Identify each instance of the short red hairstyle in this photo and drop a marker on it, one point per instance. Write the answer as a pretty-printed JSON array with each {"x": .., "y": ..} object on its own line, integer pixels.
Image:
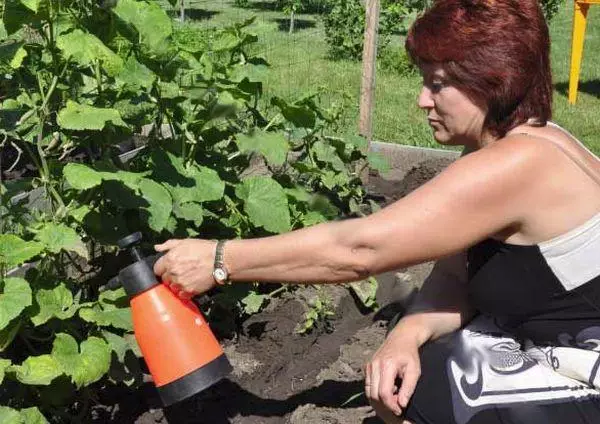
[{"x": 495, "y": 51}]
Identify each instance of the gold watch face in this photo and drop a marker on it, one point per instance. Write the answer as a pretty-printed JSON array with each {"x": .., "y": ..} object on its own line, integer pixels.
[{"x": 220, "y": 274}]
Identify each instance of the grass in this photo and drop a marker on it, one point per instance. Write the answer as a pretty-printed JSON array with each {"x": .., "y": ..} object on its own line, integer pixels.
[{"x": 300, "y": 64}]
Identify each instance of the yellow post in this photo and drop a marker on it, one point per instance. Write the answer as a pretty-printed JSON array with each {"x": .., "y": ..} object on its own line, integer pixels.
[{"x": 579, "y": 24}]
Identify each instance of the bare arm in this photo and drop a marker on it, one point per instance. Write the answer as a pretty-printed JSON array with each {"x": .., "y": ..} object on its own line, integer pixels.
[
  {"x": 475, "y": 197},
  {"x": 441, "y": 306}
]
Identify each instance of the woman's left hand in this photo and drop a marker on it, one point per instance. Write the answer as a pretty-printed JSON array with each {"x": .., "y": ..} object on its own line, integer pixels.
[{"x": 186, "y": 266}]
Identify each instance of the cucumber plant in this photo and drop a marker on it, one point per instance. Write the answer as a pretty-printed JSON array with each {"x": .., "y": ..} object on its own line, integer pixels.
[{"x": 81, "y": 79}]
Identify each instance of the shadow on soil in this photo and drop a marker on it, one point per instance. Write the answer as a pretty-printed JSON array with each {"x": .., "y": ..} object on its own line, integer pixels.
[
  {"x": 589, "y": 87},
  {"x": 329, "y": 394},
  {"x": 209, "y": 407}
]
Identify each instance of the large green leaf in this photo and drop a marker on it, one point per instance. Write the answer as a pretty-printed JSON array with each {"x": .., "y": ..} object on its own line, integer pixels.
[
  {"x": 81, "y": 177},
  {"x": 272, "y": 145},
  {"x": 83, "y": 117},
  {"x": 159, "y": 201},
  {"x": 33, "y": 416},
  {"x": 189, "y": 211},
  {"x": 85, "y": 367},
  {"x": 94, "y": 362},
  {"x": 12, "y": 54},
  {"x": 117, "y": 343},
  {"x": 327, "y": 153},
  {"x": 254, "y": 73},
  {"x": 130, "y": 179},
  {"x": 32, "y": 4},
  {"x": 57, "y": 237},
  {"x": 37, "y": 370},
  {"x": 118, "y": 318},
  {"x": 15, "y": 297},
  {"x": 10, "y": 416},
  {"x": 15, "y": 251},
  {"x": 331, "y": 179},
  {"x": 8, "y": 333},
  {"x": 150, "y": 21},
  {"x": 137, "y": 110},
  {"x": 15, "y": 15},
  {"x": 4, "y": 364},
  {"x": 56, "y": 302},
  {"x": 135, "y": 75},
  {"x": 299, "y": 115},
  {"x": 190, "y": 183},
  {"x": 85, "y": 48},
  {"x": 65, "y": 351},
  {"x": 266, "y": 203}
]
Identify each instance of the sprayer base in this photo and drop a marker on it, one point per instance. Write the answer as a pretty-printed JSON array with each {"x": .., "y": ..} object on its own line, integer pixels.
[{"x": 195, "y": 382}]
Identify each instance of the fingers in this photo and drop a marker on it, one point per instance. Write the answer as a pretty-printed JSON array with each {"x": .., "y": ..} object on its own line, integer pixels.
[
  {"x": 385, "y": 414},
  {"x": 167, "y": 245},
  {"x": 160, "y": 267},
  {"x": 372, "y": 390},
  {"x": 387, "y": 389},
  {"x": 367, "y": 372},
  {"x": 410, "y": 378}
]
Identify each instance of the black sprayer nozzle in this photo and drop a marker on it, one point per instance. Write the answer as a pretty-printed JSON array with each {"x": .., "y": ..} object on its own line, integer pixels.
[
  {"x": 131, "y": 242},
  {"x": 139, "y": 276}
]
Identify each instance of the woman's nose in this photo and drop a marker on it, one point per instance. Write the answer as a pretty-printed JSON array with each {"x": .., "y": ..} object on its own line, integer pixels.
[{"x": 425, "y": 100}]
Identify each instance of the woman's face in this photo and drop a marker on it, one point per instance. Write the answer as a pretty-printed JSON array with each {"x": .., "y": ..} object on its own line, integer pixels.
[{"x": 453, "y": 116}]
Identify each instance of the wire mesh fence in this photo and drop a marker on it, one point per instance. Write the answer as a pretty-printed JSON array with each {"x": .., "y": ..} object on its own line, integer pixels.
[
  {"x": 300, "y": 63},
  {"x": 299, "y": 60}
]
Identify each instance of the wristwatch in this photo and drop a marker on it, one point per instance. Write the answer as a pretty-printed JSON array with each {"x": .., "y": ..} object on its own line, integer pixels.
[{"x": 220, "y": 273}]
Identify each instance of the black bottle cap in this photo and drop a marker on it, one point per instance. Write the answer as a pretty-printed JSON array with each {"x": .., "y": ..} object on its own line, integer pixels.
[{"x": 139, "y": 276}]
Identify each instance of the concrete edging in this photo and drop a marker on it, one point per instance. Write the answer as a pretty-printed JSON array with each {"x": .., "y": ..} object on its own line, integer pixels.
[{"x": 403, "y": 158}]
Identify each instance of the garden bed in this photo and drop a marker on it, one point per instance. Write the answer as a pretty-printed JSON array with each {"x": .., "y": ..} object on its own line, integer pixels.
[{"x": 281, "y": 376}]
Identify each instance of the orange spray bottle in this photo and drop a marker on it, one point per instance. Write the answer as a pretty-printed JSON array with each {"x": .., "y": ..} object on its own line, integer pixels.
[{"x": 181, "y": 352}]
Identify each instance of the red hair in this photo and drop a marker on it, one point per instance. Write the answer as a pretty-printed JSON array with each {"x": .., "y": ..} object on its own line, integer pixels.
[{"x": 495, "y": 51}]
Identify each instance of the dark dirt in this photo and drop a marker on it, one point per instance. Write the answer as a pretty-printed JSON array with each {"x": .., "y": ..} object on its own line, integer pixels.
[{"x": 281, "y": 376}]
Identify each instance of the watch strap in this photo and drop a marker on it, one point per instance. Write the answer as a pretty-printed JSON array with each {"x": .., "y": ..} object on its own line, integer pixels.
[{"x": 219, "y": 259}]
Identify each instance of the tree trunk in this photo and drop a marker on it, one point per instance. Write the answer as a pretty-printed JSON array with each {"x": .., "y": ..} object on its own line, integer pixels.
[{"x": 182, "y": 11}]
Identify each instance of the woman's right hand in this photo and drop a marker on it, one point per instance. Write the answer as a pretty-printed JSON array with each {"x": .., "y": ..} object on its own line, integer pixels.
[{"x": 398, "y": 357}]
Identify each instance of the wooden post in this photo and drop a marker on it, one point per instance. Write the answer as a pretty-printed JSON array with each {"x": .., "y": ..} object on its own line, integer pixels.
[{"x": 367, "y": 89}]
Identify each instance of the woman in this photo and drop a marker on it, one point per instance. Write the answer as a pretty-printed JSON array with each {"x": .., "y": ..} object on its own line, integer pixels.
[{"x": 515, "y": 224}]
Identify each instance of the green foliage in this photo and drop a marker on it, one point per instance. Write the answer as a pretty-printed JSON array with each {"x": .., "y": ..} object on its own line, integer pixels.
[
  {"x": 366, "y": 291},
  {"x": 397, "y": 62},
  {"x": 319, "y": 312},
  {"x": 85, "y": 77},
  {"x": 550, "y": 8},
  {"x": 345, "y": 26}
]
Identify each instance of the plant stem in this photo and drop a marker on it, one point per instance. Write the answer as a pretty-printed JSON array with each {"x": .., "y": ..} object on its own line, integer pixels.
[
  {"x": 98, "y": 75},
  {"x": 272, "y": 121},
  {"x": 277, "y": 291}
]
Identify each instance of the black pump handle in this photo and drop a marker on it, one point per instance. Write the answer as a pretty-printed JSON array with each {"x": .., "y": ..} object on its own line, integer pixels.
[{"x": 130, "y": 240}]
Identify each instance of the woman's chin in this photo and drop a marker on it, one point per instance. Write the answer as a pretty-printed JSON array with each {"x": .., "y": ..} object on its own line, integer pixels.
[{"x": 441, "y": 137}]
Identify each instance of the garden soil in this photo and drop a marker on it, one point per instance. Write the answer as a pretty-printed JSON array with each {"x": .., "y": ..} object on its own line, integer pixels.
[{"x": 281, "y": 376}]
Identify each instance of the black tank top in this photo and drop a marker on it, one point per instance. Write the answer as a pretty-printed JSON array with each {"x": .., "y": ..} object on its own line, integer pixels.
[{"x": 543, "y": 292}]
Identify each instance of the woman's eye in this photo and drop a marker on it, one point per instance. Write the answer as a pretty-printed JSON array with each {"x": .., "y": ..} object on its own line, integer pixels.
[{"x": 436, "y": 86}]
